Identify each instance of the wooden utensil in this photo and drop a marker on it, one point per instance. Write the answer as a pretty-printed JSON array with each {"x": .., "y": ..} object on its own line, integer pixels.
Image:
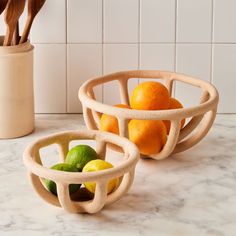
[
  {"x": 16, "y": 37},
  {"x": 3, "y": 4},
  {"x": 14, "y": 10},
  {"x": 34, "y": 7}
]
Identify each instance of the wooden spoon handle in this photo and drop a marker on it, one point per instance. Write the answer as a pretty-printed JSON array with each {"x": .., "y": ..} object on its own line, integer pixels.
[
  {"x": 26, "y": 31},
  {"x": 16, "y": 35},
  {"x": 8, "y": 37}
]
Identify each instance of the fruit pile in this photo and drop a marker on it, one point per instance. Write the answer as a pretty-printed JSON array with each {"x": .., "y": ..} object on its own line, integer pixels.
[
  {"x": 81, "y": 158},
  {"x": 150, "y": 136}
]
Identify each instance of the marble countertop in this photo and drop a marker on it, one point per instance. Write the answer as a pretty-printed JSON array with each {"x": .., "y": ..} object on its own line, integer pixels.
[{"x": 192, "y": 193}]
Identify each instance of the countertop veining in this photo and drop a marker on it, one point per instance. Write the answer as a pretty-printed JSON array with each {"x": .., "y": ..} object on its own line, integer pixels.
[{"x": 192, "y": 193}]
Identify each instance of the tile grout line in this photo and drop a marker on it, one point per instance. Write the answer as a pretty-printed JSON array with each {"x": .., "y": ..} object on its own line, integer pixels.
[
  {"x": 80, "y": 113},
  {"x": 139, "y": 37},
  {"x": 103, "y": 32},
  {"x": 177, "y": 43},
  {"x": 175, "y": 53},
  {"x": 66, "y": 26},
  {"x": 212, "y": 32}
]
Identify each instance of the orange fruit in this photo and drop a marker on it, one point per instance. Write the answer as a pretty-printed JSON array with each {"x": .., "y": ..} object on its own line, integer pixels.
[
  {"x": 149, "y": 135},
  {"x": 110, "y": 123},
  {"x": 150, "y": 96},
  {"x": 174, "y": 104}
]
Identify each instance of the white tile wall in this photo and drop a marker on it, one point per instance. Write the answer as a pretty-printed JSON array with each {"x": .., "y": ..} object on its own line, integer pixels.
[
  {"x": 121, "y": 21},
  {"x": 224, "y": 76},
  {"x": 194, "y": 21},
  {"x": 50, "y": 24},
  {"x": 157, "y": 21},
  {"x": 224, "y": 21},
  {"x": 50, "y": 78},
  {"x": 84, "y": 61},
  {"x": 118, "y": 57},
  {"x": 195, "y": 60},
  {"x": 84, "y": 21},
  {"x": 157, "y": 56},
  {"x": 79, "y": 39}
]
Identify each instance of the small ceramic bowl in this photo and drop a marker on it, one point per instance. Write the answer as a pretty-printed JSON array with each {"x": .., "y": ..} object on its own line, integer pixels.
[
  {"x": 124, "y": 171},
  {"x": 201, "y": 116}
]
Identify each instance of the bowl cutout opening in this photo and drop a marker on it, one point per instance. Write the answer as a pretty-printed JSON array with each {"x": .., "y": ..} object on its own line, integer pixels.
[
  {"x": 98, "y": 92},
  {"x": 49, "y": 155},
  {"x": 188, "y": 95},
  {"x": 111, "y": 93}
]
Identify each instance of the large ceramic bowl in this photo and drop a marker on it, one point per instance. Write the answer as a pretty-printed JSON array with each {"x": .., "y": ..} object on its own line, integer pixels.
[{"x": 201, "y": 116}]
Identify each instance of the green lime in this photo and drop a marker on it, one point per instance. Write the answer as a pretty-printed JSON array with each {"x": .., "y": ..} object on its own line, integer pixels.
[
  {"x": 80, "y": 155},
  {"x": 51, "y": 185}
]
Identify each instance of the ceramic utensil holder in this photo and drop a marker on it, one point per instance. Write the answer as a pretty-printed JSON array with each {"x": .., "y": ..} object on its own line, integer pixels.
[
  {"x": 201, "y": 116},
  {"x": 16, "y": 90},
  {"x": 124, "y": 170}
]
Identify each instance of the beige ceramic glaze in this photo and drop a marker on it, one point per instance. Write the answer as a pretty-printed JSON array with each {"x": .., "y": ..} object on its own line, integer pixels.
[
  {"x": 125, "y": 170},
  {"x": 16, "y": 90},
  {"x": 202, "y": 115}
]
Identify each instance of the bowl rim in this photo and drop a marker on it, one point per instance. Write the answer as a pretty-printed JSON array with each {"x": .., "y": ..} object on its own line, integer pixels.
[
  {"x": 171, "y": 114},
  {"x": 79, "y": 177}
]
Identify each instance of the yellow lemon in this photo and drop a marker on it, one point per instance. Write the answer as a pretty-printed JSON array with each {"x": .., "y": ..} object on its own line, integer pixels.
[{"x": 97, "y": 165}]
